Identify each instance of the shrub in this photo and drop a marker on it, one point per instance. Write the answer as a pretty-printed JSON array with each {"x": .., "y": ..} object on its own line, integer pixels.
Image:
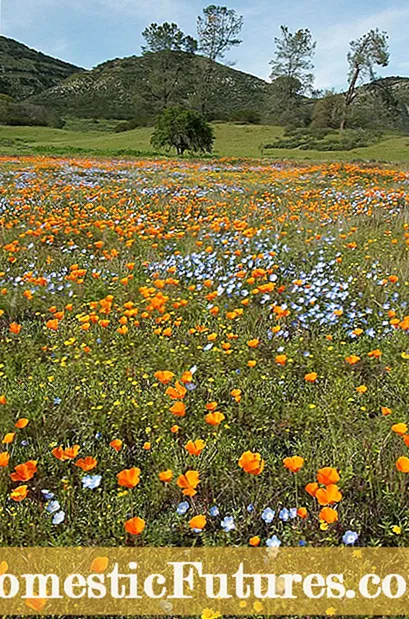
[{"x": 184, "y": 130}]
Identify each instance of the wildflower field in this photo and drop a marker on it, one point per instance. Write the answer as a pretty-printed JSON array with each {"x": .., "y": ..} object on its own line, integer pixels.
[{"x": 203, "y": 353}]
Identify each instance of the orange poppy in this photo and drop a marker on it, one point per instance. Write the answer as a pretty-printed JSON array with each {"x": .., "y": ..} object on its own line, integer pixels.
[
  {"x": 254, "y": 541},
  {"x": 253, "y": 343},
  {"x": 251, "y": 462},
  {"x": 352, "y": 359},
  {"x": 214, "y": 419},
  {"x": 129, "y": 477},
  {"x": 116, "y": 444},
  {"x": 177, "y": 392},
  {"x": 9, "y": 438},
  {"x": 402, "y": 464},
  {"x": 178, "y": 409},
  {"x": 197, "y": 522},
  {"x": 3, "y": 399},
  {"x": 166, "y": 476},
  {"x": 311, "y": 377},
  {"x": 328, "y": 495},
  {"x": 189, "y": 482},
  {"x": 294, "y": 463},
  {"x": 281, "y": 359},
  {"x": 328, "y": 515},
  {"x": 70, "y": 453},
  {"x": 195, "y": 448},
  {"x": 134, "y": 526},
  {"x": 4, "y": 459},
  {"x": 25, "y": 471},
  {"x": 399, "y": 428},
  {"x": 21, "y": 423},
  {"x": 302, "y": 512},
  {"x": 86, "y": 464},
  {"x": 164, "y": 376},
  {"x": 15, "y": 328},
  {"x": 19, "y": 493},
  {"x": 327, "y": 476},
  {"x": 311, "y": 488}
]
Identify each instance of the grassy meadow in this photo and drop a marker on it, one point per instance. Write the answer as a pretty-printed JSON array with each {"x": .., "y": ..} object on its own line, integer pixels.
[
  {"x": 203, "y": 353},
  {"x": 84, "y": 137}
]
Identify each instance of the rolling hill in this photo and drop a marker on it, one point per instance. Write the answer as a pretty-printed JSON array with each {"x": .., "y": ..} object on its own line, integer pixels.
[
  {"x": 24, "y": 72},
  {"x": 120, "y": 89}
]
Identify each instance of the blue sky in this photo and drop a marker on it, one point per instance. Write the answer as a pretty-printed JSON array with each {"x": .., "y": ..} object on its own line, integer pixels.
[{"x": 87, "y": 32}]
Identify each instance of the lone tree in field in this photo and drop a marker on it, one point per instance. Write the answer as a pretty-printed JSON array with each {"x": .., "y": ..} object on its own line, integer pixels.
[
  {"x": 218, "y": 30},
  {"x": 293, "y": 58},
  {"x": 168, "y": 52},
  {"x": 184, "y": 130},
  {"x": 366, "y": 52}
]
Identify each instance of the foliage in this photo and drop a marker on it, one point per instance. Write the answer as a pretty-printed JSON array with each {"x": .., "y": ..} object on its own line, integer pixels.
[
  {"x": 184, "y": 130},
  {"x": 322, "y": 140},
  {"x": 293, "y": 58},
  {"x": 218, "y": 30},
  {"x": 18, "y": 113},
  {"x": 365, "y": 53},
  {"x": 167, "y": 37}
]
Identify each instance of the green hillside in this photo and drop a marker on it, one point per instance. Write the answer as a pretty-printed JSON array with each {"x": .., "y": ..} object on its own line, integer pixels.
[
  {"x": 120, "y": 89},
  {"x": 24, "y": 72}
]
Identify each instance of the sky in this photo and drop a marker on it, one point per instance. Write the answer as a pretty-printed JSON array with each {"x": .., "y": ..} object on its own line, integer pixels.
[{"x": 88, "y": 32}]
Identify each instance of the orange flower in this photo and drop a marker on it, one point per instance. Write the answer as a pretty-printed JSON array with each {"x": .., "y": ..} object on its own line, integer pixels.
[
  {"x": 37, "y": 604},
  {"x": 195, "y": 448},
  {"x": 254, "y": 541},
  {"x": 164, "y": 376},
  {"x": 328, "y": 515},
  {"x": 399, "y": 428},
  {"x": 177, "y": 392},
  {"x": 189, "y": 482},
  {"x": 197, "y": 522},
  {"x": 187, "y": 377},
  {"x": 281, "y": 359},
  {"x": 302, "y": 512},
  {"x": 166, "y": 476},
  {"x": 293, "y": 464},
  {"x": 21, "y": 423},
  {"x": 311, "y": 377},
  {"x": 327, "y": 476},
  {"x": 70, "y": 453},
  {"x": 99, "y": 565},
  {"x": 129, "y": 477},
  {"x": 9, "y": 438},
  {"x": 251, "y": 462},
  {"x": 19, "y": 493},
  {"x": 402, "y": 464},
  {"x": 4, "y": 459},
  {"x": 375, "y": 353},
  {"x": 24, "y": 472},
  {"x": 3, "y": 399},
  {"x": 328, "y": 495},
  {"x": 311, "y": 488},
  {"x": 15, "y": 328},
  {"x": 52, "y": 324},
  {"x": 214, "y": 419},
  {"x": 361, "y": 389},
  {"x": 178, "y": 409},
  {"x": 253, "y": 343},
  {"x": 211, "y": 406},
  {"x": 352, "y": 359},
  {"x": 116, "y": 444},
  {"x": 134, "y": 526},
  {"x": 386, "y": 411},
  {"x": 86, "y": 464}
]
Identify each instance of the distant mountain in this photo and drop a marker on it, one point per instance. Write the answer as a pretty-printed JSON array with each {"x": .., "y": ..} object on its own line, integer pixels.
[
  {"x": 121, "y": 89},
  {"x": 24, "y": 72}
]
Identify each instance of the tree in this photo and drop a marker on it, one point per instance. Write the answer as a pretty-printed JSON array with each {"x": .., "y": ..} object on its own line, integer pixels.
[
  {"x": 218, "y": 30},
  {"x": 168, "y": 52},
  {"x": 184, "y": 130},
  {"x": 293, "y": 57},
  {"x": 365, "y": 53}
]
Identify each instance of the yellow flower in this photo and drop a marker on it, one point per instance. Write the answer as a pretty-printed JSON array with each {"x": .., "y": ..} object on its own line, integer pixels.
[
  {"x": 396, "y": 529},
  {"x": 208, "y": 613},
  {"x": 257, "y": 607}
]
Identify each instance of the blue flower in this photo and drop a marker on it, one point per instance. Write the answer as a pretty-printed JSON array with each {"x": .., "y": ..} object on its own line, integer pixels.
[
  {"x": 302, "y": 542},
  {"x": 214, "y": 511},
  {"x": 293, "y": 512},
  {"x": 284, "y": 514},
  {"x": 349, "y": 538},
  {"x": 59, "y": 517},
  {"x": 250, "y": 508},
  {"x": 91, "y": 481},
  {"x": 57, "y": 401},
  {"x": 182, "y": 508},
  {"x": 52, "y": 506},
  {"x": 47, "y": 494},
  {"x": 227, "y": 524},
  {"x": 268, "y": 515},
  {"x": 273, "y": 542}
]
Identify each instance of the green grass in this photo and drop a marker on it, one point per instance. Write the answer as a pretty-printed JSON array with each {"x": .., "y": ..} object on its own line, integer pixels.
[{"x": 83, "y": 137}]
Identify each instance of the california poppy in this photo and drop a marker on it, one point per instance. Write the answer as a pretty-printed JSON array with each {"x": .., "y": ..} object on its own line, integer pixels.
[
  {"x": 294, "y": 463},
  {"x": 189, "y": 482},
  {"x": 134, "y": 526},
  {"x": 251, "y": 462},
  {"x": 86, "y": 464},
  {"x": 25, "y": 471},
  {"x": 195, "y": 448},
  {"x": 129, "y": 477},
  {"x": 327, "y": 476},
  {"x": 19, "y": 493},
  {"x": 197, "y": 522},
  {"x": 166, "y": 476},
  {"x": 328, "y": 515}
]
